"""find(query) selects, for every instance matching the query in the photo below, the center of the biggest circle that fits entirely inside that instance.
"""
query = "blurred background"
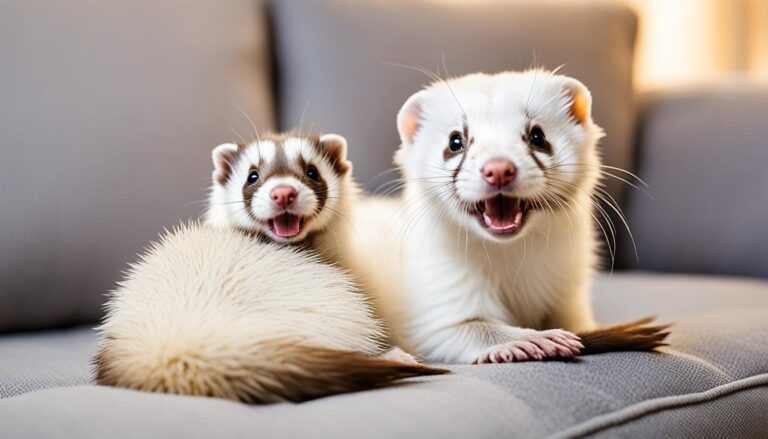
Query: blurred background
(684, 41)
(109, 110)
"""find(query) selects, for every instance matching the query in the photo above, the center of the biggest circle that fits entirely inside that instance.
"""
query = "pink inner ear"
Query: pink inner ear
(579, 106)
(410, 125)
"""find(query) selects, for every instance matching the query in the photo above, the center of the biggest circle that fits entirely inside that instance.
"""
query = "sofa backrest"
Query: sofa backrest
(109, 109)
(703, 151)
(333, 57)
(108, 114)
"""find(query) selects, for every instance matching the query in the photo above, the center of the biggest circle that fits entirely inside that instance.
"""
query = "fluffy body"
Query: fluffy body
(221, 310)
(468, 271)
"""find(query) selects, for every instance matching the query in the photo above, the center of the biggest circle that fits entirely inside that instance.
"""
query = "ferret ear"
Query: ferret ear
(334, 147)
(409, 117)
(223, 157)
(580, 102)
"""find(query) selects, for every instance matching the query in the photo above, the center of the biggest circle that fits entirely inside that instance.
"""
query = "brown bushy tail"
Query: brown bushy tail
(277, 371)
(639, 335)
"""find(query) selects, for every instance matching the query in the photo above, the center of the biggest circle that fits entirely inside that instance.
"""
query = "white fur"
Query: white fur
(450, 290)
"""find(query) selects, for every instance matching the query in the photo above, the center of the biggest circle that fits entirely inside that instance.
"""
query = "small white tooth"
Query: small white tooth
(488, 220)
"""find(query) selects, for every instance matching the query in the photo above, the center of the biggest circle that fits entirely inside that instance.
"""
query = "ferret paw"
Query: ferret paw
(397, 354)
(534, 345)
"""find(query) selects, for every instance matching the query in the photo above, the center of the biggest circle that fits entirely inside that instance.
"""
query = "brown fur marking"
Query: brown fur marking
(307, 373)
(639, 335)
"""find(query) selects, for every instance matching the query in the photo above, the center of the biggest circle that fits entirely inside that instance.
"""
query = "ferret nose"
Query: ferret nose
(283, 195)
(499, 172)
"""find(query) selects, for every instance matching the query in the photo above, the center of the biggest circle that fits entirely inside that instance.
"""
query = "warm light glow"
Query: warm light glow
(685, 41)
(675, 41)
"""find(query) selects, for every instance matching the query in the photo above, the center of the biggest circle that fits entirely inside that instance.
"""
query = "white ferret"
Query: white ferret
(487, 255)
(219, 310)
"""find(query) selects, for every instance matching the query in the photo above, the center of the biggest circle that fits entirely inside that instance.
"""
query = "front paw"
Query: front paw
(534, 345)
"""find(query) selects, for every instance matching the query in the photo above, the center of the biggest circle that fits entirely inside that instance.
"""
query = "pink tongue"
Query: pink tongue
(286, 225)
(503, 213)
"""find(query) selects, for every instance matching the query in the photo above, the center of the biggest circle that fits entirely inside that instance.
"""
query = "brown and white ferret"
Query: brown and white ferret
(488, 254)
(241, 307)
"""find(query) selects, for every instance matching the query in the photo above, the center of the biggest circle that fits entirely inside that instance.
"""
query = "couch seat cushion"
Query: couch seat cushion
(713, 381)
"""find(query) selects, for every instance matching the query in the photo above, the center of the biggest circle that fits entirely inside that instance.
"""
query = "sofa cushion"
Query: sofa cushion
(108, 113)
(333, 73)
(713, 380)
(42, 360)
(624, 296)
(703, 152)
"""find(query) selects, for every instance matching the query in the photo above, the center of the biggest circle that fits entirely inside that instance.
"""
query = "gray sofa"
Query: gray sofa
(108, 113)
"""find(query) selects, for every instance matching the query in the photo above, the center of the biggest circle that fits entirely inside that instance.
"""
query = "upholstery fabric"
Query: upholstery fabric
(41, 360)
(623, 296)
(713, 381)
(703, 152)
(108, 113)
(334, 74)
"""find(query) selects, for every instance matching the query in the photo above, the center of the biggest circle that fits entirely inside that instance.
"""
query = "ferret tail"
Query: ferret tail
(266, 372)
(640, 335)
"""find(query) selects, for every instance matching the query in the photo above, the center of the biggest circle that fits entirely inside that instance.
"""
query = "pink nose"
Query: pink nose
(499, 172)
(283, 195)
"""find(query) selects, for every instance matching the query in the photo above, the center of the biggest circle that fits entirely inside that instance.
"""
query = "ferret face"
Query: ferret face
(497, 152)
(284, 187)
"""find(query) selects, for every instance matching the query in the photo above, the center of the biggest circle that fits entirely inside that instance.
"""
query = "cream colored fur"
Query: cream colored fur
(219, 310)
(211, 311)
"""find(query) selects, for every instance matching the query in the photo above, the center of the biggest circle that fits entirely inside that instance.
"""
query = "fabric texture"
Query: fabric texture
(733, 410)
(703, 152)
(335, 63)
(34, 361)
(109, 111)
(625, 296)
(713, 381)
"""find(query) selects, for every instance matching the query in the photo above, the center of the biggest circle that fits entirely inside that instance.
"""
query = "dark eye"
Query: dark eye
(253, 177)
(456, 142)
(313, 173)
(536, 137)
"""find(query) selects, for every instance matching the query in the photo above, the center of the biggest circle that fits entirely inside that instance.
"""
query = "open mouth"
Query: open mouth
(286, 225)
(502, 214)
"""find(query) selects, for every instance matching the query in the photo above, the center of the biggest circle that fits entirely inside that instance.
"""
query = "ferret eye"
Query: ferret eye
(313, 173)
(456, 142)
(536, 137)
(253, 177)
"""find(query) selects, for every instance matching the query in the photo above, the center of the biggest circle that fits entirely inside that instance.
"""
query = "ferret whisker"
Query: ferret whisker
(424, 204)
(434, 77)
(248, 118)
(613, 168)
(606, 174)
(533, 86)
(234, 131)
(610, 243)
(564, 207)
(303, 114)
(400, 182)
